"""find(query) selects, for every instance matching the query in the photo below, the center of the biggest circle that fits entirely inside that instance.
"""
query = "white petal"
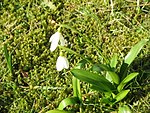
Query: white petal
(62, 63)
(59, 63)
(66, 63)
(52, 37)
(54, 40)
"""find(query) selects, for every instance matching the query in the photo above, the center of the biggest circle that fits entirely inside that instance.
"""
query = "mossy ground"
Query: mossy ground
(36, 86)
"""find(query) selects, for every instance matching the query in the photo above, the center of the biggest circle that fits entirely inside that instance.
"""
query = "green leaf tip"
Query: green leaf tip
(68, 101)
(134, 51)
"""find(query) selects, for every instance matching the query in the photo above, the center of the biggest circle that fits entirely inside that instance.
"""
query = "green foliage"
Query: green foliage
(134, 51)
(27, 26)
(126, 80)
(121, 95)
(68, 101)
(99, 80)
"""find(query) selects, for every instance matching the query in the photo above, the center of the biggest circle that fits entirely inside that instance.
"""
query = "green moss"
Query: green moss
(27, 27)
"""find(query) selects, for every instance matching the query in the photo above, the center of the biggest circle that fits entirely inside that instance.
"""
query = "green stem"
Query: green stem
(76, 88)
(77, 91)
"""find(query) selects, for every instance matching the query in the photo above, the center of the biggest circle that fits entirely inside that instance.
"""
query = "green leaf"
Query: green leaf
(114, 77)
(6, 52)
(124, 109)
(121, 95)
(131, 56)
(101, 88)
(134, 51)
(129, 77)
(113, 61)
(123, 70)
(126, 80)
(8, 58)
(10, 63)
(76, 88)
(68, 101)
(59, 111)
(92, 78)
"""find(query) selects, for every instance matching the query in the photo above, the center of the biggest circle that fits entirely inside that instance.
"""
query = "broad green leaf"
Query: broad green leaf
(108, 77)
(130, 57)
(113, 61)
(126, 80)
(79, 73)
(129, 77)
(121, 95)
(68, 101)
(124, 109)
(91, 78)
(114, 77)
(101, 88)
(134, 51)
(59, 111)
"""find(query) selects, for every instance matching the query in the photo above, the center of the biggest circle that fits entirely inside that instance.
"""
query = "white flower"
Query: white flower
(62, 63)
(54, 39)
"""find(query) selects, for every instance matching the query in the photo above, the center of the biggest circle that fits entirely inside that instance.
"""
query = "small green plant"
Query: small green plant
(105, 77)
(62, 63)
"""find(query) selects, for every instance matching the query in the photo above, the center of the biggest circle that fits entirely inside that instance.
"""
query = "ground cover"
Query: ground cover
(35, 85)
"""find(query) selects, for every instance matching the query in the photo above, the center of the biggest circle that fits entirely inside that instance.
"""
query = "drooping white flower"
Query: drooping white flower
(54, 39)
(62, 63)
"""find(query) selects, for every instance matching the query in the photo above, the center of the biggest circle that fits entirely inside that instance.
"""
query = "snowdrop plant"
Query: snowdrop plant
(102, 76)
(62, 62)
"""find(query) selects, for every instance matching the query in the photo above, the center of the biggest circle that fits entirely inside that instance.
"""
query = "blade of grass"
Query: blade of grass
(8, 58)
